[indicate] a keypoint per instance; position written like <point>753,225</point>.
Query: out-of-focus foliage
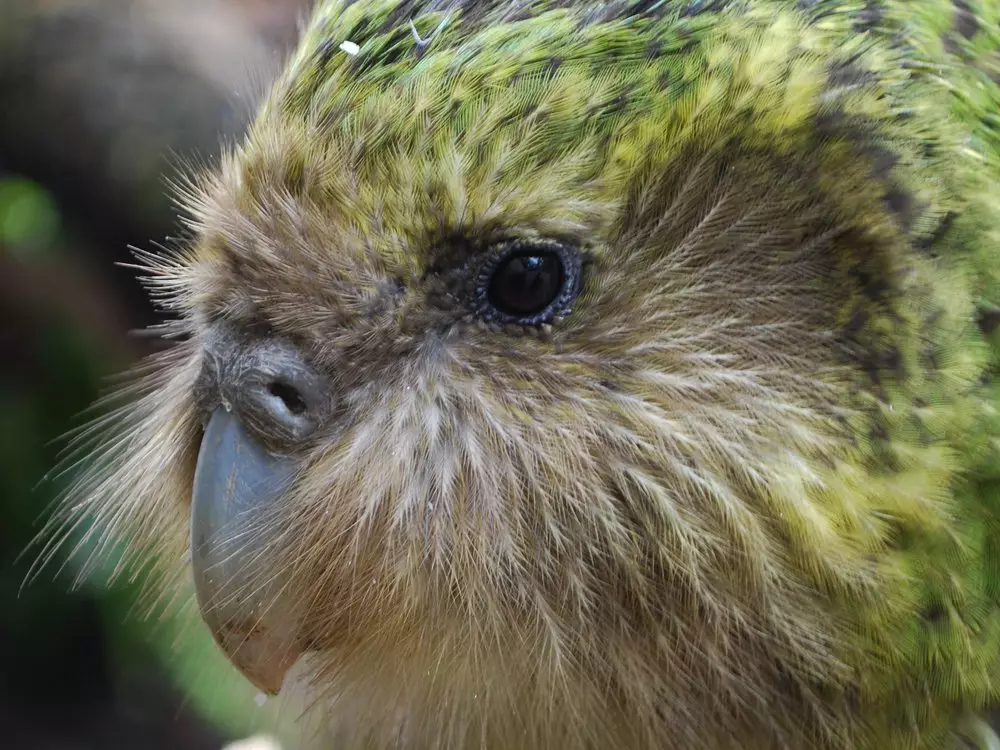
<point>100,101</point>
<point>28,216</point>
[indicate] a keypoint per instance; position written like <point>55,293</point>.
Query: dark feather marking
<point>869,17</point>
<point>325,52</point>
<point>943,227</point>
<point>966,23</point>
<point>699,7</point>
<point>988,319</point>
<point>901,202</point>
<point>855,324</point>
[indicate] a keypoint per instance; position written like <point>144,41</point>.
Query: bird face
<point>531,374</point>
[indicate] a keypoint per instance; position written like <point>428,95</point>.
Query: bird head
<point>547,358</point>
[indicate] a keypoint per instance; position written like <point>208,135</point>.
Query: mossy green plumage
<point>747,493</point>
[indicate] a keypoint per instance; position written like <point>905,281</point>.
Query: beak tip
<point>262,657</point>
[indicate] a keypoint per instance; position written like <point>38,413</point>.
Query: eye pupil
<point>526,283</point>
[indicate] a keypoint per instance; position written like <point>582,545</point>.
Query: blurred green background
<point>100,102</point>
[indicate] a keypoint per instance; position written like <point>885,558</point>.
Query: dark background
<point>100,102</point>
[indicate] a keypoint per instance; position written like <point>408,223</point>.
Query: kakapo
<point>574,374</point>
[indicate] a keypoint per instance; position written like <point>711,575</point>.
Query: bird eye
<point>528,282</point>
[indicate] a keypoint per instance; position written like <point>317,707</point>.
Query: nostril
<point>289,396</point>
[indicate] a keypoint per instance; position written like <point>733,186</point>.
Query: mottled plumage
<point>743,493</point>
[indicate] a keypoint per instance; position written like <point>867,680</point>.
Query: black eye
<point>528,282</point>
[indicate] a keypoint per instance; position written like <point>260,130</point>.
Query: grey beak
<point>237,486</point>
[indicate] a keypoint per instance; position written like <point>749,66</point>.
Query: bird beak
<point>237,486</point>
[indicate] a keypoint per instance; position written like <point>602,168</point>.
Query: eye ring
<point>544,272</point>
